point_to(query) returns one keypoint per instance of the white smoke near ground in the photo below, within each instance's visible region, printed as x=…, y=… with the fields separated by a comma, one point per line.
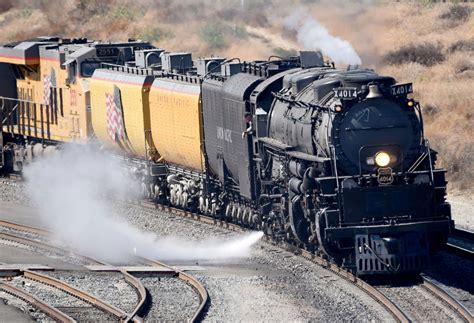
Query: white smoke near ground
x=312, y=35
x=72, y=191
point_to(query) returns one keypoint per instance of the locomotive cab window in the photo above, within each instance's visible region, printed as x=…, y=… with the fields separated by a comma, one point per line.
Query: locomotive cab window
x=88, y=68
x=71, y=72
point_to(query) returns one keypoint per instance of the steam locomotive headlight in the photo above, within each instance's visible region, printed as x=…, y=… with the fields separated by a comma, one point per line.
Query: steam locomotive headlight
x=382, y=159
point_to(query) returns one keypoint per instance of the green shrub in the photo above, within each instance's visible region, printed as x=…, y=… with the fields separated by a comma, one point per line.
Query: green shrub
x=457, y=13
x=213, y=34
x=425, y=54
x=462, y=46
x=284, y=52
x=124, y=12
x=155, y=34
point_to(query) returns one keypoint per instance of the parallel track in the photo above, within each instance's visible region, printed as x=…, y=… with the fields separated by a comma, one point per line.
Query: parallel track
x=447, y=299
x=391, y=307
x=139, y=310
x=461, y=243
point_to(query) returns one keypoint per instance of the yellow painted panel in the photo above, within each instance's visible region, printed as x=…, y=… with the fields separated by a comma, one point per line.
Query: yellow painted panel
x=73, y=124
x=175, y=116
x=133, y=98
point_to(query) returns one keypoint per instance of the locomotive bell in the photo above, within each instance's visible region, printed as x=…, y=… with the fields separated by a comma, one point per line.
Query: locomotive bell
x=374, y=92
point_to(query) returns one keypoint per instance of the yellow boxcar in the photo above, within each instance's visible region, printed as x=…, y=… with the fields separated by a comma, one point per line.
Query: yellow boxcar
x=120, y=111
x=176, y=123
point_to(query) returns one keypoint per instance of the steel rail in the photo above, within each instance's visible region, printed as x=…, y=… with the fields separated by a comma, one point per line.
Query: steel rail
x=47, y=309
x=65, y=287
x=131, y=280
x=440, y=293
x=42, y=245
x=191, y=281
x=138, y=312
x=453, y=246
x=391, y=307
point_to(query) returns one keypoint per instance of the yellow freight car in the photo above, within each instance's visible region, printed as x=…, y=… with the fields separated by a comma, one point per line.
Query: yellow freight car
x=120, y=114
x=176, y=123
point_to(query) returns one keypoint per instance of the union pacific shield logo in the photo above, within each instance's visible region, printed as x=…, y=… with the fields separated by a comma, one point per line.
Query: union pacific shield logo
x=49, y=82
x=114, y=111
x=385, y=176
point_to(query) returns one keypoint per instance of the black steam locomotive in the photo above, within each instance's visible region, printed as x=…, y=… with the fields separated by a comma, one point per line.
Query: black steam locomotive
x=335, y=160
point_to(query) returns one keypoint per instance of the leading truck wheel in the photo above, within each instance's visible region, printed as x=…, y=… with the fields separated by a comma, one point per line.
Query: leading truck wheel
x=324, y=245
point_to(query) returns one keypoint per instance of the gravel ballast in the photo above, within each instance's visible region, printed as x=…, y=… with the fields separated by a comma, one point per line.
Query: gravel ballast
x=72, y=306
x=107, y=286
x=271, y=285
x=26, y=308
x=171, y=299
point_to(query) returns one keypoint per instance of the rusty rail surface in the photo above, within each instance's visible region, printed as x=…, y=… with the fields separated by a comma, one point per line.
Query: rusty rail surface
x=191, y=281
x=390, y=306
x=448, y=299
x=47, y=309
x=138, y=312
x=65, y=287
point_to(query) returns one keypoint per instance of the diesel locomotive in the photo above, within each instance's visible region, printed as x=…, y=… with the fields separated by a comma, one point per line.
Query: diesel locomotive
x=332, y=160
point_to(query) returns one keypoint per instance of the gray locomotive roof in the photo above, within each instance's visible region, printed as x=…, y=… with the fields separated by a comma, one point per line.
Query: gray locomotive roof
x=23, y=50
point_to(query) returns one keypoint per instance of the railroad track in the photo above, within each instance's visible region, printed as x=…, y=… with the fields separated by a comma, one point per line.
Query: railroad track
x=461, y=243
x=398, y=314
x=447, y=299
x=134, y=316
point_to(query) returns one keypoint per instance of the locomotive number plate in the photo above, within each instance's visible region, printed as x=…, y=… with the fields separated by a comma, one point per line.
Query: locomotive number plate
x=106, y=52
x=346, y=93
x=385, y=176
x=402, y=89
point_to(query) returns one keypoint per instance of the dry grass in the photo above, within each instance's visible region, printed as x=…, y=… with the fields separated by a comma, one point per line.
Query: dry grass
x=255, y=31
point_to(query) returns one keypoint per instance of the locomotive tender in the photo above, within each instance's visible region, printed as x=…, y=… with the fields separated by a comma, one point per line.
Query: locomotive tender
x=334, y=160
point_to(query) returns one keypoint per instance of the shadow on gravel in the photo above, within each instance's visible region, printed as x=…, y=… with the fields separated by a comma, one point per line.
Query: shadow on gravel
x=395, y=280
x=452, y=271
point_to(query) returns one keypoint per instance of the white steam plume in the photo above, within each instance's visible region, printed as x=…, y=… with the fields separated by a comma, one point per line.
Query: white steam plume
x=70, y=189
x=312, y=35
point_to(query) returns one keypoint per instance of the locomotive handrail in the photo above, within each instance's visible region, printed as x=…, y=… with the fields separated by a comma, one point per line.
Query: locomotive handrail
x=427, y=144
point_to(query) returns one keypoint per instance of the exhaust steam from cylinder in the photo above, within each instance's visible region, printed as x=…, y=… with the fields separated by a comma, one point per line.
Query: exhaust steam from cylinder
x=70, y=190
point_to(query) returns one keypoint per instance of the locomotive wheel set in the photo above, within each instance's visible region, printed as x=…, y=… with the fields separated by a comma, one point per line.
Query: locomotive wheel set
x=334, y=160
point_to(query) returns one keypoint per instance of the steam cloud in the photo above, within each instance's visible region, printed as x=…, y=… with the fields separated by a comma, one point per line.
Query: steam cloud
x=70, y=189
x=312, y=35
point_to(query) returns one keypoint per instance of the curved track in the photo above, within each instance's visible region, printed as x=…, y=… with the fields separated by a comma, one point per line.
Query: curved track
x=398, y=314
x=391, y=307
x=139, y=310
x=440, y=293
